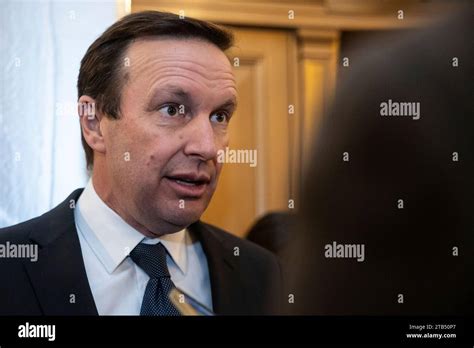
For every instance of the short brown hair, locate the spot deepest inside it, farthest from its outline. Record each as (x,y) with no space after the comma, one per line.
(99,74)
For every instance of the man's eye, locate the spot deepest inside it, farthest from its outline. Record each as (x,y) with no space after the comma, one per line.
(220,117)
(169,110)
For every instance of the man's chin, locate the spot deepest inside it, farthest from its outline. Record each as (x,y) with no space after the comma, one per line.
(183,219)
(173,219)
(169,225)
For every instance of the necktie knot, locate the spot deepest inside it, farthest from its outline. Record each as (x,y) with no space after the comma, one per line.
(151,258)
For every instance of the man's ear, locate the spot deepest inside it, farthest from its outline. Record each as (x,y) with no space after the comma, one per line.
(90,123)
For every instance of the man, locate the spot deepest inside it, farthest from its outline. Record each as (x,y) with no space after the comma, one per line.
(159,93)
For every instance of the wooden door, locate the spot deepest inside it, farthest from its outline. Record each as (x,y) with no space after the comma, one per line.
(264,63)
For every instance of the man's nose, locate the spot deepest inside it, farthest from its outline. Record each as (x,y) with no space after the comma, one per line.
(202,139)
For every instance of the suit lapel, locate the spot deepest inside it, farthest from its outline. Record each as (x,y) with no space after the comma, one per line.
(59,277)
(227,294)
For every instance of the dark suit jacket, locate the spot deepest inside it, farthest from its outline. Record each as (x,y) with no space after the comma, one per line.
(248,284)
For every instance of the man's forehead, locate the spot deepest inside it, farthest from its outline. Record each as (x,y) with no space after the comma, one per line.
(188,63)
(169,50)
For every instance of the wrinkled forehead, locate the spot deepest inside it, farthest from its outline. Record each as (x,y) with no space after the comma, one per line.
(193,56)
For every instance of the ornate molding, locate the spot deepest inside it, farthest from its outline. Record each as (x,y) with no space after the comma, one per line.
(335,14)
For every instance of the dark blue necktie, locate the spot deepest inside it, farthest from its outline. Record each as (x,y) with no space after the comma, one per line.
(152,259)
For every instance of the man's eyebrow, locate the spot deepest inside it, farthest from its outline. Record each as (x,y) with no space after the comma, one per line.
(180,93)
(168,91)
(176,91)
(229,103)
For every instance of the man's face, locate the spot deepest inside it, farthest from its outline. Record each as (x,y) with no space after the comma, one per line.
(161,155)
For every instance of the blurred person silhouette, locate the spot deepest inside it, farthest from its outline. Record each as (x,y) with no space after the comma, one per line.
(387,222)
(272,231)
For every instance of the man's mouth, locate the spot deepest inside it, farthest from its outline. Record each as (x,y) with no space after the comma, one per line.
(189,184)
(190,179)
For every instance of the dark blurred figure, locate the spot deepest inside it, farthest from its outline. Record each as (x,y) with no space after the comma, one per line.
(410,264)
(272,232)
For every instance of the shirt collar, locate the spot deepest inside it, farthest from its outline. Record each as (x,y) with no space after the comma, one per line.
(175,244)
(112,239)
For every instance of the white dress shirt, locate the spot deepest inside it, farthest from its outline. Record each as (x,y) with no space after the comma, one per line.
(117,283)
